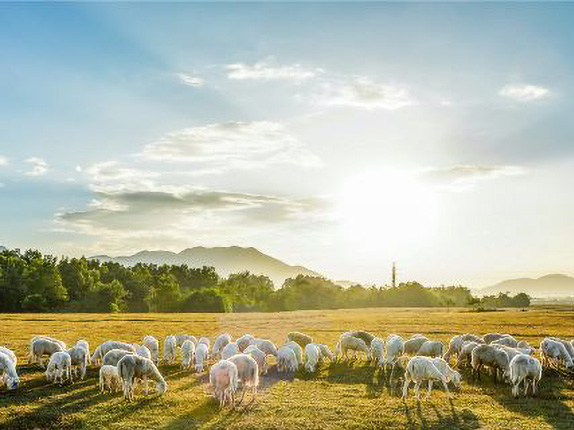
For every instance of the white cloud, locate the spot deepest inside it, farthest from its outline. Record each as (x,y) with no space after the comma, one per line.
(218,147)
(3,161)
(190,80)
(112,176)
(467,176)
(524,93)
(361,92)
(39,167)
(265,71)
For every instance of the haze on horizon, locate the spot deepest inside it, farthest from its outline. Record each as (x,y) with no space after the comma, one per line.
(339,137)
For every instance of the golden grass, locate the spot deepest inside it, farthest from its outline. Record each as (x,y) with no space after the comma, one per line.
(338,396)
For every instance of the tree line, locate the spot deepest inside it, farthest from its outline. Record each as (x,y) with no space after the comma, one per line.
(33,282)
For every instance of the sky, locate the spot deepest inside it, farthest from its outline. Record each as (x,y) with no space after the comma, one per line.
(341,137)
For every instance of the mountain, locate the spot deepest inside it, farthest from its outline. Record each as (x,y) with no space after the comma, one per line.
(226,260)
(3,248)
(555,285)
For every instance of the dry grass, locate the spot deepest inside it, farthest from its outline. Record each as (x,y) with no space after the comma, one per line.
(338,396)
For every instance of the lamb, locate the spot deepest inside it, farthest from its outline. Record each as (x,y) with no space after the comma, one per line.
(244,341)
(506,341)
(259,356)
(524,368)
(312,355)
(180,338)
(431,348)
(361,334)
(297,350)
(464,356)
(229,351)
(286,360)
(8,374)
(377,351)
(107,346)
(220,343)
(491,356)
(201,355)
(59,367)
(395,349)
(350,343)
(109,379)
(247,373)
(143,351)
(10,354)
(133,366)
(169,350)
(456,343)
(266,346)
(82,343)
(553,351)
(450,374)
(420,369)
(300,338)
(187,354)
(114,356)
(41,346)
(223,377)
(79,356)
(153,345)
(325,352)
(413,345)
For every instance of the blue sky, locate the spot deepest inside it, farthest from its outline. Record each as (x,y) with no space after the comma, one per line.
(338,136)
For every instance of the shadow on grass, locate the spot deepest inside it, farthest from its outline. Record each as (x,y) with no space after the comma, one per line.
(420,417)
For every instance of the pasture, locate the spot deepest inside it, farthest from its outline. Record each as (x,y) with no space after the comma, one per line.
(338,396)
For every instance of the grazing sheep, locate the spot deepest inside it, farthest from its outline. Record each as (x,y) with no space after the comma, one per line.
(223,377)
(59,342)
(325,352)
(229,350)
(350,343)
(247,373)
(205,341)
(42,346)
(201,356)
(143,351)
(266,346)
(59,367)
(431,348)
(114,356)
(450,374)
(456,343)
(244,341)
(511,352)
(422,369)
(525,346)
(491,337)
(506,341)
(133,366)
(110,380)
(105,347)
(491,356)
(362,334)
(300,338)
(413,345)
(395,349)
(259,356)
(377,351)
(8,374)
(312,355)
(553,351)
(153,345)
(297,350)
(524,368)
(187,354)
(169,350)
(10,354)
(219,344)
(569,347)
(465,354)
(79,356)
(82,343)
(286,360)
(180,338)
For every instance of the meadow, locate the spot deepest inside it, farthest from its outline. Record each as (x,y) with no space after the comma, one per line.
(339,396)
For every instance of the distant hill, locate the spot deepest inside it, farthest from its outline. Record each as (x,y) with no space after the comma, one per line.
(555,285)
(3,248)
(226,260)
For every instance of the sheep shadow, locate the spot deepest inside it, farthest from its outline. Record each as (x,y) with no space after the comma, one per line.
(205,412)
(418,419)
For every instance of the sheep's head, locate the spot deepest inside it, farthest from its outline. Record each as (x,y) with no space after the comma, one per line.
(456,379)
(12,382)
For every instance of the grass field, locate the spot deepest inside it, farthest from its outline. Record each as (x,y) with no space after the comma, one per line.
(338,396)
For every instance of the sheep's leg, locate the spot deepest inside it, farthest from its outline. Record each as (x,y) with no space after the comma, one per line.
(445,385)
(417,390)
(430,389)
(146,388)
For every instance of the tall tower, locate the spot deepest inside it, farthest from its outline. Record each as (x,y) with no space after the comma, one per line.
(394,273)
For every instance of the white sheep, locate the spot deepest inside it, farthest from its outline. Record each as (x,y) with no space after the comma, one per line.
(229,350)
(569,347)
(180,338)
(350,343)
(377,351)
(82,343)
(244,341)
(201,356)
(219,344)
(133,366)
(312,355)
(59,367)
(524,368)
(297,350)
(465,353)
(301,339)
(187,354)
(223,377)
(107,346)
(247,373)
(525,346)
(450,374)
(79,356)
(491,337)
(422,369)
(205,341)
(8,374)
(41,346)
(169,350)
(143,351)
(266,346)
(325,352)
(259,356)
(490,356)
(553,351)
(110,379)
(395,349)
(506,341)
(431,348)
(153,345)
(114,356)
(58,341)
(10,354)
(413,345)
(456,343)
(286,360)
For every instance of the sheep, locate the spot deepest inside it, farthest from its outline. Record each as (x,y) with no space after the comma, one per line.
(569,347)
(244,341)
(524,368)
(286,360)
(180,338)
(431,348)
(82,343)
(413,345)
(511,352)
(525,346)
(553,351)
(114,356)
(8,374)
(300,338)
(107,346)
(325,352)
(266,346)
(361,334)
(219,344)
(187,354)
(133,366)
(420,369)
(259,356)
(205,341)
(450,374)
(506,341)
(229,350)
(351,343)
(109,379)
(464,356)
(297,350)
(247,373)
(377,351)
(59,367)
(395,349)
(10,354)
(169,350)
(143,351)
(153,345)
(79,357)
(59,342)
(41,346)
(312,355)
(223,377)
(491,356)
(456,343)
(201,355)
(491,337)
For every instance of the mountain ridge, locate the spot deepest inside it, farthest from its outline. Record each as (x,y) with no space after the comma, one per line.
(551,285)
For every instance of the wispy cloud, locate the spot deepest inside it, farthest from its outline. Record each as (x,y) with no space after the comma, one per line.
(467,176)
(267,71)
(524,93)
(39,166)
(3,161)
(190,80)
(113,176)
